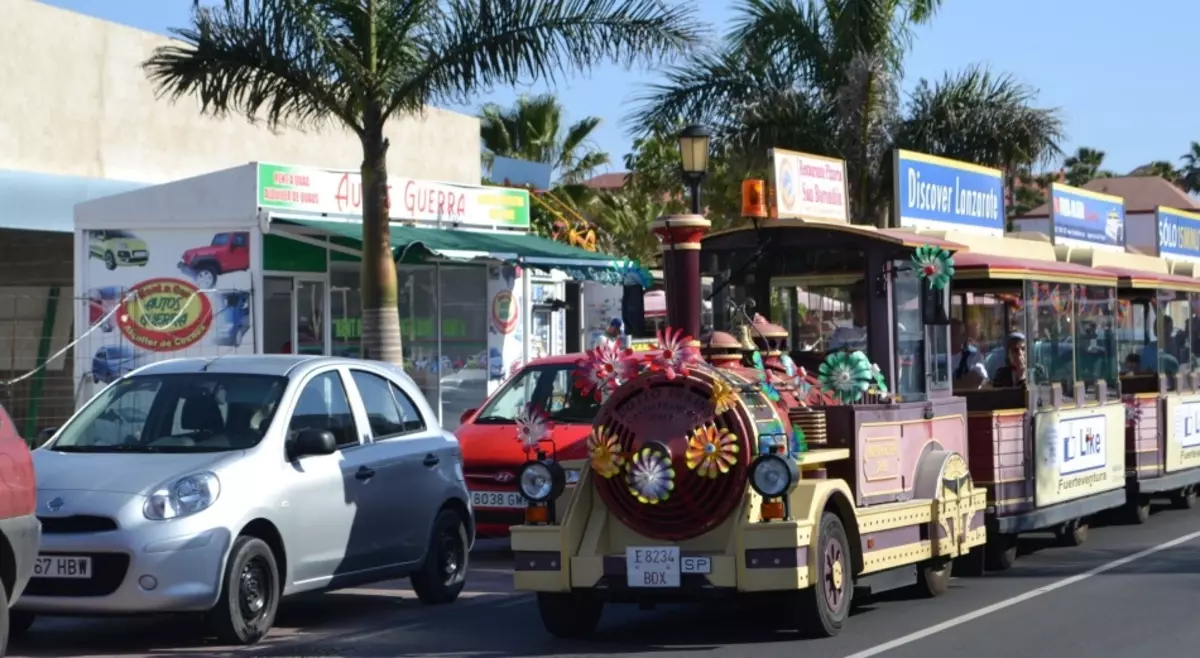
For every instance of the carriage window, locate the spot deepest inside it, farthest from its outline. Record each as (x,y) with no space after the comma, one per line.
(979,324)
(910,333)
(821,318)
(1050,338)
(1135,321)
(1095,339)
(1168,347)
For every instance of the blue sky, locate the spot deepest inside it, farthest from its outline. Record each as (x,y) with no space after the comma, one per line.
(1113,69)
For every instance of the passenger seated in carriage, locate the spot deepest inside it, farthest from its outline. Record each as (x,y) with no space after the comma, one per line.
(967,364)
(1013,372)
(853,337)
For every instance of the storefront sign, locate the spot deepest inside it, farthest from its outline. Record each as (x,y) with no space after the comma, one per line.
(809,186)
(1178,233)
(1183,441)
(940,194)
(165,315)
(1085,217)
(1079,453)
(331,192)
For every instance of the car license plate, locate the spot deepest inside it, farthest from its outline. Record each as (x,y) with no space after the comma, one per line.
(652,566)
(62,566)
(508,499)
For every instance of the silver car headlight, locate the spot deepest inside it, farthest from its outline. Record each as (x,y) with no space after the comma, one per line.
(773,476)
(183,497)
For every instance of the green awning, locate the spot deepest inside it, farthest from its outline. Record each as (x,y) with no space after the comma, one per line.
(455,244)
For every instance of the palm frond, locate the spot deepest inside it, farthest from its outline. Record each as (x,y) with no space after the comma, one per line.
(281,60)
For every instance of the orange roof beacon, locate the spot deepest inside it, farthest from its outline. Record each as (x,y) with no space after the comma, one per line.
(876,408)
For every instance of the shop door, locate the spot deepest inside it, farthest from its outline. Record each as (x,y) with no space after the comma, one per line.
(278,328)
(294,316)
(310,317)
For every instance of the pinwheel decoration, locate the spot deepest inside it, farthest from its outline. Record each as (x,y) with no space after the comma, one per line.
(764,383)
(604,450)
(533,426)
(651,478)
(846,377)
(603,369)
(711,451)
(676,353)
(934,265)
(799,440)
(723,397)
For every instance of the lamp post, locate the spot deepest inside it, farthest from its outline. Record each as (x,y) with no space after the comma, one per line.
(693,160)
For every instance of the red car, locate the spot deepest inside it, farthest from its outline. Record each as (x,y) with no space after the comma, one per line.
(228,252)
(488,436)
(20,530)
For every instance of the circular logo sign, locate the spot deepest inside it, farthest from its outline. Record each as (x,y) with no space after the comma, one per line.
(788,185)
(165,315)
(504,312)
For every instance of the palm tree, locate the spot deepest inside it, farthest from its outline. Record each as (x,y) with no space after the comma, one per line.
(624,220)
(1086,165)
(1160,168)
(1190,171)
(360,63)
(532,130)
(824,77)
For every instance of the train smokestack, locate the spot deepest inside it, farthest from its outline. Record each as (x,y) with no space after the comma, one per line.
(679,239)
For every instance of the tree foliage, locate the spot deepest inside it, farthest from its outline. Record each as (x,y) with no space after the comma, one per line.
(533,130)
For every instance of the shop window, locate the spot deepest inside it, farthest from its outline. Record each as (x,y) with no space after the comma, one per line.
(282,254)
(463,361)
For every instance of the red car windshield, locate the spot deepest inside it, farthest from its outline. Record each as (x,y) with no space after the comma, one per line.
(550,388)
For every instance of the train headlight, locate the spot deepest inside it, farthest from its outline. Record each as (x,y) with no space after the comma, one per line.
(541,480)
(773,476)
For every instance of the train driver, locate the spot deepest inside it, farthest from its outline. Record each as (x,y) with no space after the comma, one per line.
(1013,372)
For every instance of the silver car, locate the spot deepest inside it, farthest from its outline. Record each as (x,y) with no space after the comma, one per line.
(220,485)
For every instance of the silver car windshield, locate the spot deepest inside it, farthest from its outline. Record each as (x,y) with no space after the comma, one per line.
(549,388)
(194,412)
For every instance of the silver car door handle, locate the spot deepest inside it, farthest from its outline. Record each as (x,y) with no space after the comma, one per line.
(364,473)
(431,460)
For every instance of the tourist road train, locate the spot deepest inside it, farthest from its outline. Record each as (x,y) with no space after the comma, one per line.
(879,408)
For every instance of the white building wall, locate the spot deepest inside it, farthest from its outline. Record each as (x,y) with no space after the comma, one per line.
(76,102)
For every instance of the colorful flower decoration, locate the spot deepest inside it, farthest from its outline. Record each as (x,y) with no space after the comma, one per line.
(723,396)
(770,434)
(604,449)
(533,426)
(651,478)
(676,353)
(711,451)
(603,369)
(799,440)
(764,384)
(846,376)
(935,265)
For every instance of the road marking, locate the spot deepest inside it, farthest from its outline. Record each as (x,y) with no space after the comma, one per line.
(1008,603)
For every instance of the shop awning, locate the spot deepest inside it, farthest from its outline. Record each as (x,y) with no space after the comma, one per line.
(454,244)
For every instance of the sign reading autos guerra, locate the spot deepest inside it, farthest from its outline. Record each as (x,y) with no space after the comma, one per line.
(332,192)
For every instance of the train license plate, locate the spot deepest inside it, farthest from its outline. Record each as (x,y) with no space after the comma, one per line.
(505,499)
(652,566)
(62,566)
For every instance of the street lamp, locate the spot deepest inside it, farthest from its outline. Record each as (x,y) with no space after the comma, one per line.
(693,160)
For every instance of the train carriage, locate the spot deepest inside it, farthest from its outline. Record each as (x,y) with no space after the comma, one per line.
(794,473)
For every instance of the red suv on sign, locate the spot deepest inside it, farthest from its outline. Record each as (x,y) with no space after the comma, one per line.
(228,252)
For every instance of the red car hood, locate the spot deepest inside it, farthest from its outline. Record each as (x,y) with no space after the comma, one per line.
(489,446)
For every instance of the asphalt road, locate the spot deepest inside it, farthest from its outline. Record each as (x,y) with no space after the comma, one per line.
(1128,592)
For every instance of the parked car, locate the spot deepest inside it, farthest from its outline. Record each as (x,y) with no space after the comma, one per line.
(20,530)
(228,252)
(244,479)
(118,249)
(112,361)
(491,453)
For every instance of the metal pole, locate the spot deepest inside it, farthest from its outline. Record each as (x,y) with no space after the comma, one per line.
(437,303)
(694,188)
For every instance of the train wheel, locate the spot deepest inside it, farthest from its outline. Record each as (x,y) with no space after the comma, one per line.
(1073,533)
(1184,498)
(824,606)
(1001,552)
(933,577)
(971,565)
(569,616)
(1138,510)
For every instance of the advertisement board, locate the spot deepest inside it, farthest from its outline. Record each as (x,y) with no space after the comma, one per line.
(1183,432)
(1088,218)
(940,194)
(1178,233)
(1079,452)
(157,294)
(809,186)
(330,192)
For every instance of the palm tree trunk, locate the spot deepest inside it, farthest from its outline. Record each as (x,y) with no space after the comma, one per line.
(380,296)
